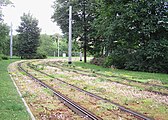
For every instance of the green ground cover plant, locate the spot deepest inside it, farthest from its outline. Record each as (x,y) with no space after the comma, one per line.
(132,75)
(11,105)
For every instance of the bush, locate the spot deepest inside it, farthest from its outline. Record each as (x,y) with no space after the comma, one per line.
(34,56)
(117,61)
(150,58)
(98,61)
(3,57)
(40,56)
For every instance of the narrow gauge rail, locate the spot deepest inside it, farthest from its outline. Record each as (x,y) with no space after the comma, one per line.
(69,103)
(128,80)
(122,108)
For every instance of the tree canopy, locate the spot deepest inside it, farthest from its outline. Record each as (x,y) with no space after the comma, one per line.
(4,30)
(3,3)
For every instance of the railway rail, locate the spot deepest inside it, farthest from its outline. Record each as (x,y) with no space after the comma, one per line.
(122,108)
(69,103)
(128,80)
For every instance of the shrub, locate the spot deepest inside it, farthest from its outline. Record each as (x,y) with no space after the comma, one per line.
(34,56)
(150,58)
(3,57)
(117,61)
(40,56)
(0,57)
(97,61)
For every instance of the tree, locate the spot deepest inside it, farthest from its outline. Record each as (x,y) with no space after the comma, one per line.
(83,16)
(47,45)
(134,32)
(3,3)
(4,31)
(29,34)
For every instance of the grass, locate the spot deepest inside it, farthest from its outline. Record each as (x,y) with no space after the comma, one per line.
(11,105)
(132,75)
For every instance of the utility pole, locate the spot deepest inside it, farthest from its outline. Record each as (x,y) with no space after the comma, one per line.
(11,42)
(85,30)
(80,54)
(58,46)
(70,36)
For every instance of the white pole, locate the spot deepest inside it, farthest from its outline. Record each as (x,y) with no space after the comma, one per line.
(58,46)
(70,36)
(80,55)
(11,42)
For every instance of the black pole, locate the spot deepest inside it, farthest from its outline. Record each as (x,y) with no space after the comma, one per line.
(85,30)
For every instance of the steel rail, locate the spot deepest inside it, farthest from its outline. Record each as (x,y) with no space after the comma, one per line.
(128,80)
(69,103)
(124,78)
(122,108)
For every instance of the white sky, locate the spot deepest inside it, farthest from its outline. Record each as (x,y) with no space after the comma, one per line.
(40,9)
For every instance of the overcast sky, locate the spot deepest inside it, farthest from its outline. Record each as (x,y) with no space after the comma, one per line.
(40,9)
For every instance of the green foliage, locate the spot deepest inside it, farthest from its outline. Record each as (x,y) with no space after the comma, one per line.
(98,61)
(3,3)
(80,27)
(49,44)
(132,75)
(3,57)
(116,60)
(134,34)
(131,34)
(28,36)
(4,31)
(152,57)
(40,56)
(16,45)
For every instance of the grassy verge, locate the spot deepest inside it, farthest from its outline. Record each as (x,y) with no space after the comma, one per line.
(132,75)
(11,105)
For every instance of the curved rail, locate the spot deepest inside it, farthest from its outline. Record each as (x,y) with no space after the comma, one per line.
(122,108)
(128,80)
(69,103)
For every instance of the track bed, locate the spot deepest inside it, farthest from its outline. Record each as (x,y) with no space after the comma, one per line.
(71,84)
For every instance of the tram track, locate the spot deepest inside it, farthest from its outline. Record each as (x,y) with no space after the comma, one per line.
(68,102)
(123,78)
(122,108)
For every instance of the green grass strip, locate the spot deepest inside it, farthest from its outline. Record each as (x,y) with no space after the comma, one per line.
(132,75)
(11,105)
